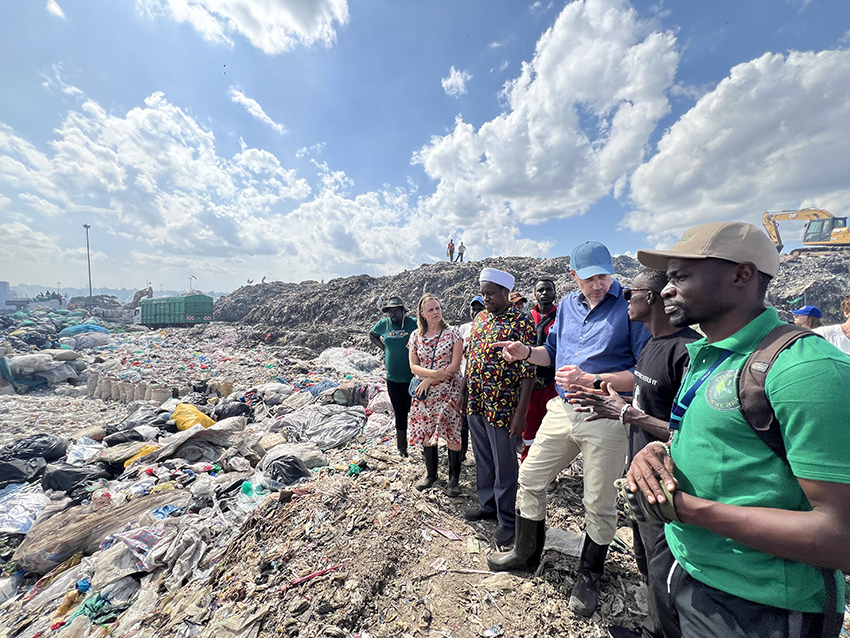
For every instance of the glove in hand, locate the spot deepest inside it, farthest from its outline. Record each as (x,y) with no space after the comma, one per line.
(641,510)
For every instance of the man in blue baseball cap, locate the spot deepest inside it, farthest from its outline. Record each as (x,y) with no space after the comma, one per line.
(592,344)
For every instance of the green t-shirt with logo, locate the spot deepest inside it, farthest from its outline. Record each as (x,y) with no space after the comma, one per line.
(720,458)
(396,355)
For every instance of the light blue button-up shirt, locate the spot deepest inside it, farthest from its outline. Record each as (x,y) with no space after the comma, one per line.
(597,340)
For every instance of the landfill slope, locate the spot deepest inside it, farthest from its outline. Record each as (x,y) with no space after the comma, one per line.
(311,316)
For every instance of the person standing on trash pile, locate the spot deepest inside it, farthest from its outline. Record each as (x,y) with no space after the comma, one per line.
(808,317)
(757,527)
(436,350)
(476,305)
(592,341)
(658,375)
(543,314)
(839,335)
(498,394)
(460,250)
(391,334)
(450,250)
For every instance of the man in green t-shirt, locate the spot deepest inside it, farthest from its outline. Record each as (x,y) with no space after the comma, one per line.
(759,539)
(390,334)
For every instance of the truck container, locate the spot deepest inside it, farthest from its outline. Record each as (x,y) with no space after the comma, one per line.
(189,310)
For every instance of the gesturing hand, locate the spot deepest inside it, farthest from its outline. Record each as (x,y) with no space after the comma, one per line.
(512,350)
(603,404)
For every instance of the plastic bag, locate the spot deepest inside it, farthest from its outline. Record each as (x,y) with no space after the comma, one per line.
(187,415)
(73,331)
(59,374)
(90,340)
(28,364)
(82,451)
(147,449)
(48,446)
(20,470)
(287,469)
(20,506)
(227,409)
(65,477)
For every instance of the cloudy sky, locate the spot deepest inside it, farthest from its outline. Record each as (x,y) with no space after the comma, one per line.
(310,139)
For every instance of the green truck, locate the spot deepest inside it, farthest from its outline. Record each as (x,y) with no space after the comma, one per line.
(160,312)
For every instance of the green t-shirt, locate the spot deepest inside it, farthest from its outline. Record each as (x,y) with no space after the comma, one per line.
(719,457)
(396,355)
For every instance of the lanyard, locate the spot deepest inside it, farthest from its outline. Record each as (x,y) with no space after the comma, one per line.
(681,405)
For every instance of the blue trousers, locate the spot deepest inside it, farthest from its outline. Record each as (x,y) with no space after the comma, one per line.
(496,469)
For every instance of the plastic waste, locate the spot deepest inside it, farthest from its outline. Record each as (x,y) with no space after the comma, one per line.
(186,415)
(83,451)
(20,506)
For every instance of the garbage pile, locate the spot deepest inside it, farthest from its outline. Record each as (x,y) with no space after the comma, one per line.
(273,511)
(316,316)
(155,498)
(29,330)
(821,281)
(309,317)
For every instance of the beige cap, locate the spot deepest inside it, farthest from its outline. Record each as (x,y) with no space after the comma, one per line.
(733,241)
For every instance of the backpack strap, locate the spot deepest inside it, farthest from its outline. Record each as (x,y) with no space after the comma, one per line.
(756,409)
(755,406)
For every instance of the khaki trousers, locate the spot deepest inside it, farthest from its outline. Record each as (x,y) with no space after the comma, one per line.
(564,433)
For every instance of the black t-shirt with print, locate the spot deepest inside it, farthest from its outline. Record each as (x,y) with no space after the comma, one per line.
(658,374)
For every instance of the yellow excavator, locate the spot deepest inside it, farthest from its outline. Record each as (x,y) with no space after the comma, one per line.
(823,231)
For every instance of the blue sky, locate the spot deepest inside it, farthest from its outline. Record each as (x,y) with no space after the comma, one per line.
(309,139)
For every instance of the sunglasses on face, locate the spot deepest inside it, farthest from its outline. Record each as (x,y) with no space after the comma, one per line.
(627,292)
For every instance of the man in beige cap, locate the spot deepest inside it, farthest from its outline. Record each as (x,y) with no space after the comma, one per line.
(759,528)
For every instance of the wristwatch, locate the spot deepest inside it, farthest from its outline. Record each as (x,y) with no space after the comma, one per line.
(597,382)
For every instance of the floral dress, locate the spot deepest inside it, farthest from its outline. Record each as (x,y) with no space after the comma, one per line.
(438,414)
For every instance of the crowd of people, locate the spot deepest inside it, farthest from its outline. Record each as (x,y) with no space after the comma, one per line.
(732,440)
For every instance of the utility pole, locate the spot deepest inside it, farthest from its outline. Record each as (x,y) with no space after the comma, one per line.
(88,258)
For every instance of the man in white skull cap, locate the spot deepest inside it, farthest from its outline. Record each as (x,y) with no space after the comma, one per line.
(499,391)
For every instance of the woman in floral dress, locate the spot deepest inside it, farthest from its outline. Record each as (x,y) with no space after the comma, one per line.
(436,350)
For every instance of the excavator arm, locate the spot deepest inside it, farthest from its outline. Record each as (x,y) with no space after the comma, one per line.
(769,219)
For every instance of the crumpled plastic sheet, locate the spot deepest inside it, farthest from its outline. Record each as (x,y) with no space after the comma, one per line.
(83,451)
(20,506)
(223,433)
(78,529)
(328,426)
(348,360)
(28,364)
(379,425)
(380,403)
(59,374)
(307,452)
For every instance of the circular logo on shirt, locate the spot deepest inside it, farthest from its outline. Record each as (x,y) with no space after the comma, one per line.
(721,391)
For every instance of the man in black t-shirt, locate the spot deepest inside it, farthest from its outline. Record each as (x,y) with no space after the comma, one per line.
(659,372)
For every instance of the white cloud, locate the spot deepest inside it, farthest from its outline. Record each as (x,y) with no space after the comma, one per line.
(455,83)
(273,26)
(315,149)
(772,135)
(256,111)
(54,8)
(576,124)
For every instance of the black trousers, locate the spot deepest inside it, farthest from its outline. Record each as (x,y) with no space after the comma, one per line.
(400,399)
(688,608)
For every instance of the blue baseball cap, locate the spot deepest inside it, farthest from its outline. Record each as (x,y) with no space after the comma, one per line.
(810,311)
(477,298)
(590,259)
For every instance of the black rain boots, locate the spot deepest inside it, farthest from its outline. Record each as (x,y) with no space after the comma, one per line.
(585,594)
(429,453)
(453,488)
(527,549)
(401,441)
